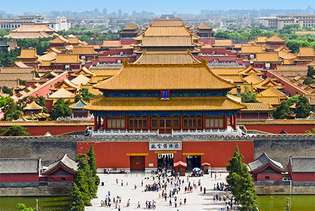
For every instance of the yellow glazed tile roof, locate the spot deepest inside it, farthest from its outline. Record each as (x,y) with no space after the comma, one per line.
(223,43)
(167,41)
(253,79)
(155,104)
(160,77)
(83,50)
(257,107)
(167,32)
(28,54)
(272,92)
(32,106)
(167,23)
(62,94)
(275,38)
(267,57)
(306,52)
(252,49)
(80,80)
(67,59)
(170,57)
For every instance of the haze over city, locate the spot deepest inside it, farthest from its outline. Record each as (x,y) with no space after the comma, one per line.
(158,6)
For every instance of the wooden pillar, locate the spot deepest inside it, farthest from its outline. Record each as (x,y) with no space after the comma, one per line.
(202,122)
(234,121)
(95,122)
(225,122)
(149,126)
(126,122)
(99,122)
(180,122)
(104,123)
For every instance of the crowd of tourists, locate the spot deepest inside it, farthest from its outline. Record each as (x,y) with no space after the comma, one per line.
(171,188)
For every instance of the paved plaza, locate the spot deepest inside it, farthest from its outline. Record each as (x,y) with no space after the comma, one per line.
(196,200)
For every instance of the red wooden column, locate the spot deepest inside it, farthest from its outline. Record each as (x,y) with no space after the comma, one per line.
(95,122)
(104,123)
(149,126)
(180,122)
(234,121)
(126,122)
(225,122)
(99,122)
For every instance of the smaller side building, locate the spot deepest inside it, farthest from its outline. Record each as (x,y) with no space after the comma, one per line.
(302,169)
(266,169)
(18,171)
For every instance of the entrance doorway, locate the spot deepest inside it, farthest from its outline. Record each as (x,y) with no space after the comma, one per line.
(193,161)
(137,163)
(165,161)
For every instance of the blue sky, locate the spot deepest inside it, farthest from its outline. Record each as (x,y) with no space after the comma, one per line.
(159,6)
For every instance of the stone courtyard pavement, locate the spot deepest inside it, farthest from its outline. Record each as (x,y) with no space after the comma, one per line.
(196,200)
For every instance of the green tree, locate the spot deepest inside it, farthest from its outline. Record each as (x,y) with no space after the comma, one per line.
(12,111)
(84,94)
(241,184)
(92,163)
(77,199)
(23,207)
(82,179)
(41,44)
(282,111)
(249,97)
(5,101)
(7,90)
(15,130)
(303,107)
(60,109)
(8,58)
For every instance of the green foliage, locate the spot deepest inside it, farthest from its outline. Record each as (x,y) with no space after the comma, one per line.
(302,109)
(77,199)
(8,58)
(7,90)
(60,109)
(241,183)
(95,179)
(242,35)
(86,181)
(22,207)
(41,44)
(12,111)
(42,102)
(3,33)
(15,130)
(249,97)
(91,35)
(282,111)
(5,101)
(82,179)
(84,94)
(310,76)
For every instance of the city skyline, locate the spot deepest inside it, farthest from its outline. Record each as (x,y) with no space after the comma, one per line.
(158,6)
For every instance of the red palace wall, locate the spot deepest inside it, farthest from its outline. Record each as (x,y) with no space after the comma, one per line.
(54,128)
(272,176)
(116,154)
(278,128)
(19,178)
(303,177)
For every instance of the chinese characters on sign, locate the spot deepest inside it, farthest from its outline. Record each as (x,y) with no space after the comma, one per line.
(165,146)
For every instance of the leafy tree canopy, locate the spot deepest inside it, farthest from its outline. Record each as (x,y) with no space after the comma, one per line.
(60,109)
